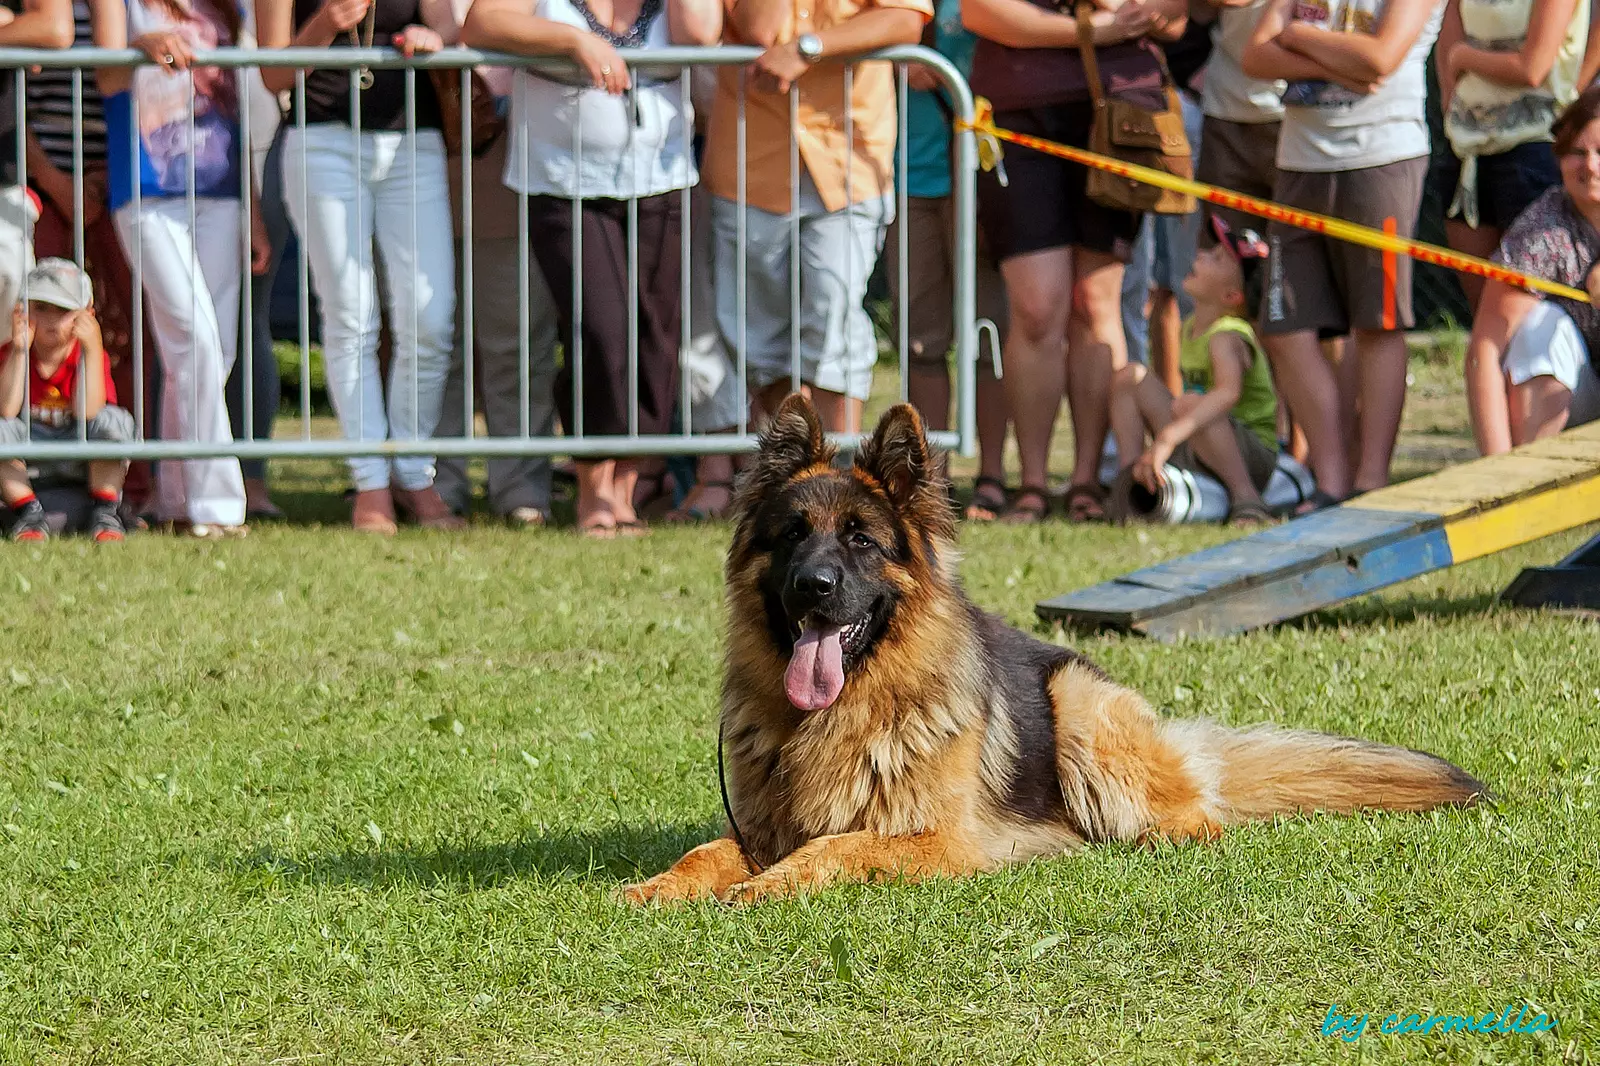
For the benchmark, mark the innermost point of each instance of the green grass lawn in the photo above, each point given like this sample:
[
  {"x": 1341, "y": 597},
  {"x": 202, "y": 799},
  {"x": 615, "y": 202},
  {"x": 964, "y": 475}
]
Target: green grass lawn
[{"x": 315, "y": 798}]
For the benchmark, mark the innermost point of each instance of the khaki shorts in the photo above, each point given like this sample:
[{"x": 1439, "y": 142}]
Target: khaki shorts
[
  {"x": 1333, "y": 287},
  {"x": 931, "y": 279},
  {"x": 1259, "y": 459},
  {"x": 1241, "y": 157}
]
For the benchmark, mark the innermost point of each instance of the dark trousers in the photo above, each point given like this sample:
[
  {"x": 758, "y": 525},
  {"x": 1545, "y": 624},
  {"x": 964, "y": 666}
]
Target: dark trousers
[{"x": 605, "y": 307}]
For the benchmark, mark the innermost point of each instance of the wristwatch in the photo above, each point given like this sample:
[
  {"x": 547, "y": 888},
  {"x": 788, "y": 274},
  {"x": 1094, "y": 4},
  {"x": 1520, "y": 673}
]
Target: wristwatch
[{"x": 809, "y": 45}]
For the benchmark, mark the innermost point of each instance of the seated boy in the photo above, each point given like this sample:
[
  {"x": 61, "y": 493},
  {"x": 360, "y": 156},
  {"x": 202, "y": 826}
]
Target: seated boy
[
  {"x": 53, "y": 338},
  {"x": 1227, "y": 416}
]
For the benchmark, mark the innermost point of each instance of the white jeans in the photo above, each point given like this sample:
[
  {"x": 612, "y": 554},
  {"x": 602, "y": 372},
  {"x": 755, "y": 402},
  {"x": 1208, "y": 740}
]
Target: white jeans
[
  {"x": 342, "y": 191},
  {"x": 191, "y": 284}
]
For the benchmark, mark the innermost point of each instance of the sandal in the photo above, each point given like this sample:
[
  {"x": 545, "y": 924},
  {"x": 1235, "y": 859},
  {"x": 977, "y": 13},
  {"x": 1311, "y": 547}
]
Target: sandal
[
  {"x": 1317, "y": 501},
  {"x": 1019, "y": 512},
  {"x": 632, "y": 528},
  {"x": 693, "y": 513},
  {"x": 988, "y": 501},
  {"x": 1085, "y": 503},
  {"x": 1253, "y": 513}
]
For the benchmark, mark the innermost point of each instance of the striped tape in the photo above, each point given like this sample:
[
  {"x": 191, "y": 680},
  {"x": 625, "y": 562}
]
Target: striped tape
[{"x": 983, "y": 125}]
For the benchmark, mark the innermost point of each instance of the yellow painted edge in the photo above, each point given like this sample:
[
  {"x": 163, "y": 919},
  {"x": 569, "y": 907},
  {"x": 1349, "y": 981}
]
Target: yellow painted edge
[{"x": 1524, "y": 520}]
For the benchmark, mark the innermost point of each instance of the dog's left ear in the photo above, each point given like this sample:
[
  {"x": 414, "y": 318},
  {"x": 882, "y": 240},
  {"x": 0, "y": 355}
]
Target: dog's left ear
[{"x": 899, "y": 458}]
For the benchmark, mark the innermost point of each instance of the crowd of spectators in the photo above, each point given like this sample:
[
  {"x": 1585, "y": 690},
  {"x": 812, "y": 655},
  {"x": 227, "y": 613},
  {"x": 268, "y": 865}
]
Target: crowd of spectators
[{"x": 1211, "y": 339}]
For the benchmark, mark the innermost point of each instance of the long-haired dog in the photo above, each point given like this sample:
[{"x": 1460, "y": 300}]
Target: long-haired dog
[{"x": 879, "y": 725}]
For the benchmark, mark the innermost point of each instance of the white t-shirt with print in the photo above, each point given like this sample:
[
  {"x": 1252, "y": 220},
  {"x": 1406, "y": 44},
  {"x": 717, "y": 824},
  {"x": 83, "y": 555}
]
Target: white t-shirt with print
[
  {"x": 1327, "y": 127},
  {"x": 584, "y": 142},
  {"x": 1230, "y": 94}
]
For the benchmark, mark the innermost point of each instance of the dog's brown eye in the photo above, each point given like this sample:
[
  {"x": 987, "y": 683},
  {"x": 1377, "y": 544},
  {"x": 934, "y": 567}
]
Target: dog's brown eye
[
  {"x": 859, "y": 539},
  {"x": 795, "y": 533}
]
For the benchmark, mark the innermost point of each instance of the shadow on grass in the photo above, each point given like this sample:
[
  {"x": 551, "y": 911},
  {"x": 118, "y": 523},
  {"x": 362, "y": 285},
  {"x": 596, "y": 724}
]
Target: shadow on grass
[{"x": 613, "y": 855}]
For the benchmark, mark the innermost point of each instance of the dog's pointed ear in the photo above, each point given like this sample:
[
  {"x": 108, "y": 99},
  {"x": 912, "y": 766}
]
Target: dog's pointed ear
[
  {"x": 899, "y": 458},
  {"x": 793, "y": 441}
]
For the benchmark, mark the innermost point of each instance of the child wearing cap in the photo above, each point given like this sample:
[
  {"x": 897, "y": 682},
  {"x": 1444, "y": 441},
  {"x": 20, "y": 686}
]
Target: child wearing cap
[
  {"x": 1227, "y": 416},
  {"x": 56, "y": 364}
]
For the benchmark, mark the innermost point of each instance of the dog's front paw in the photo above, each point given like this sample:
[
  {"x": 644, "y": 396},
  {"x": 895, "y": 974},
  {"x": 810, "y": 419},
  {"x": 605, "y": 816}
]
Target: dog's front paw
[
  {"x": 1199, "y": 830},
  {"x": 664, "y": 888},
  {"x": 761, "y": 887}
]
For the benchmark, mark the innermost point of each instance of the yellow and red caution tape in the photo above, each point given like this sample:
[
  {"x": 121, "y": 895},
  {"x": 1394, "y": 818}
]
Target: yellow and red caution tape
[{"x": 989, "y": 154}]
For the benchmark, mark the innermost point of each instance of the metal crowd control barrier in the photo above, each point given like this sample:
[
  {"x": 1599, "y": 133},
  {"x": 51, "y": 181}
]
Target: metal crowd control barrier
[{"x": 83, "y": 61}]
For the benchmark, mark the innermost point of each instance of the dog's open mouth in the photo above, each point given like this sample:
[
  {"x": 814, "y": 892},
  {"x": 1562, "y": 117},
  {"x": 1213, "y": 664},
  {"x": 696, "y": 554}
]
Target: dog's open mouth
[{"x": 816, "y": 668}]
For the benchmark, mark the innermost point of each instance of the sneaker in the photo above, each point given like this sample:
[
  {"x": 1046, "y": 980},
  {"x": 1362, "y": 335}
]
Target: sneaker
[
  {"x": 105, "y": 525},
  {"x": 30, "y": 523}
]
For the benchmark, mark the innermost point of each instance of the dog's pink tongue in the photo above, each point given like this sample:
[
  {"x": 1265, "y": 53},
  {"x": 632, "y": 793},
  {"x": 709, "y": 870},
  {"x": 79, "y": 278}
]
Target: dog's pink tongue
[{"x": 816, "y": 671}]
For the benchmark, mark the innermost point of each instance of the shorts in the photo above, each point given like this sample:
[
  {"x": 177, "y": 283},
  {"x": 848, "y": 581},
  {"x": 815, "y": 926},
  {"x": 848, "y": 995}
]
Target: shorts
[
  {"x": 838, "y": 251},
  {"x": 111, "y": 424},
  {"x": 930, "y": 290},
  {"x": 1507, "y": 182},
  {"x": 1044, "y": 205},
  {"x": 1260, "y": 460},
  {"x": 1332, "y": 287},
  {"x": 1241, "y": 157},
  {"x": 1548, "y": 344}
]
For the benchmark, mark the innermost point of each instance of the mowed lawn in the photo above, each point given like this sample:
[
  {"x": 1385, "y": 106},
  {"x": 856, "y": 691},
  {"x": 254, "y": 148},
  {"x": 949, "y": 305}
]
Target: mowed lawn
[{"x": 314, "y": 798}]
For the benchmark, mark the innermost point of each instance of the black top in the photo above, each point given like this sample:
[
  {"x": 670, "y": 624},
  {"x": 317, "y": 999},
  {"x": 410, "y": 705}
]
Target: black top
[
  {"x": 383, "y": 106},
  {"x": 1188, "y": 54}
]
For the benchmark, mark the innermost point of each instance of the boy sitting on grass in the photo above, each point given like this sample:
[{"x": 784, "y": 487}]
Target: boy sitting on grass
[
  {"x": 1227, "y": 416},
  {"x": 57, "y": 360}
]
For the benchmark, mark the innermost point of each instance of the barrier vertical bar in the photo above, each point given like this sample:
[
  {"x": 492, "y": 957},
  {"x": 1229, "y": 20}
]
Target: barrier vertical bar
[
  {"x": 246, "y": 330},
  {"x": 305, "y": 264},
  {"x": 577, "y": 270},
  {"x": 416, "y": 261},
  {"x": 795, "y": 380},
  {"x": 136, "y": 266},
  {"x": 633, "y": 274},
  {"x": 19, "y": 86},
  {"x": 468, "y": 334},
  {"x": 902, "y": 231},
  {"x": 524, "y": 295},
  {"x": 194, "y": 262},
  {"x": 850, "y": 251},
  {"x": 78, "y": 236},
  {"x": 741, "y": 283},
  {"x": 966, "y": 244},
  {"x": 686, "y": 230}
]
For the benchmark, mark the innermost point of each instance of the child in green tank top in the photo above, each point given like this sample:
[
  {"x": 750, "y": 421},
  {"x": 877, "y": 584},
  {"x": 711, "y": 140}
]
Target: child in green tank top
[{"x": 1226, "y": 419}]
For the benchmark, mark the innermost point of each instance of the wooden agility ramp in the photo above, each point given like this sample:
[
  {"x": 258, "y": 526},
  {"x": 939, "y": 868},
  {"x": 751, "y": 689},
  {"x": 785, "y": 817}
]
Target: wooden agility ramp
[{"x": 1386, "y": 536}]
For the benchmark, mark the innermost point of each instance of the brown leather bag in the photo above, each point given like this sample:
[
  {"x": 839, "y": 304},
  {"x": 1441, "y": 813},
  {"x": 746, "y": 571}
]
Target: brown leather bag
[
  {"x": 1135, "y": 134},
  {"x": 487, "y": 125}
]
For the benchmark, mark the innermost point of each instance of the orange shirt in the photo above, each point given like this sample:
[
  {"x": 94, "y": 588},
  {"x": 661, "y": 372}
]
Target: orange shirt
[{"x": 843, "y": 173}]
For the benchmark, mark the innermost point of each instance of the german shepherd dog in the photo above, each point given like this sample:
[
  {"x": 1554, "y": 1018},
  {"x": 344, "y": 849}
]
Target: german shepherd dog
[{"x": 879, "y": 725}]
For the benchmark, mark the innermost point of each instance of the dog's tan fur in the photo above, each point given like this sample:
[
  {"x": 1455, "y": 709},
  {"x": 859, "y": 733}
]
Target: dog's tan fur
[{"x": 929, "y": 762}]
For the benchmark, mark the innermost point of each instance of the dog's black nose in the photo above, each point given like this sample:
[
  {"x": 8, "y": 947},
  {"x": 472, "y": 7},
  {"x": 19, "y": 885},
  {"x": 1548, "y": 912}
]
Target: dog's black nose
[{"x": 818, "y": 582}]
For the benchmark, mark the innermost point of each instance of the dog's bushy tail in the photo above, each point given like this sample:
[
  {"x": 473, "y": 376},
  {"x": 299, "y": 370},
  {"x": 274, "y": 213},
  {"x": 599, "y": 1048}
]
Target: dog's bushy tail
[{"x": 1266, "y": 771}]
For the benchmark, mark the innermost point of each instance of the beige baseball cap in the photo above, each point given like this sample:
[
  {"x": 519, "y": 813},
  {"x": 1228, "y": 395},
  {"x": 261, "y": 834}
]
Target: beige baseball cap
[{"x": 61, "y": 283}]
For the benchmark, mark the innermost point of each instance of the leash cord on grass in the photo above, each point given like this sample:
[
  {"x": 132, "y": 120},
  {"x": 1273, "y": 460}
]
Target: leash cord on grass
[{"x": 727, "y": 807}]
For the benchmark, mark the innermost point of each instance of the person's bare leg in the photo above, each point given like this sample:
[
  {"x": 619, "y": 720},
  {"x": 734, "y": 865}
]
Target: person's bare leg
[
  {"x": 1481, "y": 242},
  {"x": 993, "y": 418},
  {"x": 107, "y": 475},
  {"x": 1037, "y": 290},
  {"x": 839, "y": 413},
  {"x": 594, "y": 495},
  {"x": 1539, "y": 409},
  {"x": 14, "y": 483},
  {"x": 1099, "y": 349},
  {"x": 1382, "y": 356},
  {"x": 624, "y": 481},
  {"x": 1215, "y": 445},
  {"x": 1127, "y": 423},
  {"x": 1341, "y": 354},
  {"x": 1166, "y": 338},
  {"x": 1307, "y": 383},
  {"x": 929, "y": 393}
]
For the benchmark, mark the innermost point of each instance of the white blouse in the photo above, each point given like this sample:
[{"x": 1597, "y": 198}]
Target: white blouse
[{"x": 584, "y": 142}]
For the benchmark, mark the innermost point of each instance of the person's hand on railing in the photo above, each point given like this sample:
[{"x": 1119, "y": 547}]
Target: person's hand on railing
[
  {"x": 86, "y": 331},
  {"x": 600, "y": 61},
  {"x": 260, "y": 244},
  {"x": 167, "y": 48},
  {"x": 921, "y": 78},
  {"x": 779, "y": 67},
  {"x": 417, "y": 40}
]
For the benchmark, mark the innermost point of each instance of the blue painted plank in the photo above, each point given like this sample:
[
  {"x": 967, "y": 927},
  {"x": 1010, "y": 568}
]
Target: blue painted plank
[
  {"x": 1350, "y": 573},
  {"x": 1270, "y": 557}
]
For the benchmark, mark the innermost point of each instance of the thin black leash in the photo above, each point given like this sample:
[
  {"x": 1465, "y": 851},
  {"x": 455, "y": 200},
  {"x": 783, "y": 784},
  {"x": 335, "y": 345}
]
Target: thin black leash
[{"x": 727, "y": 807}]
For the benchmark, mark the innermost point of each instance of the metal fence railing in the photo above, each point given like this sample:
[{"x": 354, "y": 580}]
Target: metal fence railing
[{"x": 665, "y": 65}]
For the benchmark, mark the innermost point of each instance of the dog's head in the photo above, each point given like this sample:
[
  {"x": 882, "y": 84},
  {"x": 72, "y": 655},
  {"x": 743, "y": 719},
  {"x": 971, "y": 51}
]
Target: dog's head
[{"x": 834, "y": 554}]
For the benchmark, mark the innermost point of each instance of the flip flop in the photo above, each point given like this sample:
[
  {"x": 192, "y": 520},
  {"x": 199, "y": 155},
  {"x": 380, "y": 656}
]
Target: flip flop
[
  {"x": 1085, "y": 503},
  {"x": 1019, "y": 513}
]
